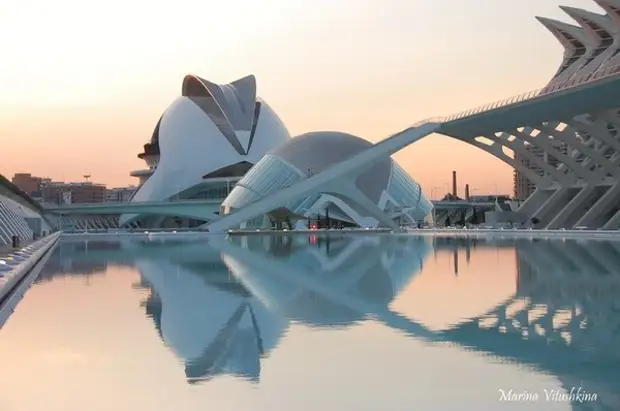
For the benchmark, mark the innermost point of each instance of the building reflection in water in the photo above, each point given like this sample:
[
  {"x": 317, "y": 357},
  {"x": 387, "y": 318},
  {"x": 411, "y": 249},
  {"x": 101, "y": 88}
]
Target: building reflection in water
[
  {"x": 222, "y": 307},
  {"x": 215, "y": 316},
  {"x": 65, "y": 262}
]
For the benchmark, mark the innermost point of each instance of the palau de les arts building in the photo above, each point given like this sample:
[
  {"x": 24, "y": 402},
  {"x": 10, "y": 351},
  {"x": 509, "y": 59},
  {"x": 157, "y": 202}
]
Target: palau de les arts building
[{"x": 222, "y": 142}]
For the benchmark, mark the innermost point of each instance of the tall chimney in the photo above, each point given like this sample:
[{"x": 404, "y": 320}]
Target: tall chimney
[
  {"x": 467, "y": 192},
  {"x": 454, "y": 183}
]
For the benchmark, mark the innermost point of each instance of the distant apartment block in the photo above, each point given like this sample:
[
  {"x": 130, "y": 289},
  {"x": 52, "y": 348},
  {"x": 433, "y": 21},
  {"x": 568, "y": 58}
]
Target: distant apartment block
[
  {"x": 74, "y": 193},
  {"x": 30, "y": 184},
  {"x": 119, "y": 195},
  {"x": 522, "y": 186}
]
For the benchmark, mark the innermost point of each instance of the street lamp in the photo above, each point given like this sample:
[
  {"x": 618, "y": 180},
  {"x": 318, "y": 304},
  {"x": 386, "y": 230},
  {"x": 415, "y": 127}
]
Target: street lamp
[{"x": 433, "y": 191}]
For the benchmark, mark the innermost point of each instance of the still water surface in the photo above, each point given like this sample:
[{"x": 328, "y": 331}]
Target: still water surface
[{"x": 317, "y": 323}]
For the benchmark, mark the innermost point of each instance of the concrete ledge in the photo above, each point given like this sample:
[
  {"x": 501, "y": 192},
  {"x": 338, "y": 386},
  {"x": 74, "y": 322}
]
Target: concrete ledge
[
  {"x": 446, "y": 232},
  {"x": 140, "y": 234},
  {"x": 36, "y": 251},
  {"x": 607, "y": 235},
  {"x": 293, "y": 232}
]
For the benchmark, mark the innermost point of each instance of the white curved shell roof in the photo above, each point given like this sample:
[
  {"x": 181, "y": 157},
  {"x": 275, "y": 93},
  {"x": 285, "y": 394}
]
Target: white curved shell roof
[
  {"x": 208, "y": 128},
  {"x": 313, "y": 152}
]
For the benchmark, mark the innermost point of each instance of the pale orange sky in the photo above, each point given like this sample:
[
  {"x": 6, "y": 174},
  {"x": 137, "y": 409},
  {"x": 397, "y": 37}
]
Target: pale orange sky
[{"x": 81, "y": 87}]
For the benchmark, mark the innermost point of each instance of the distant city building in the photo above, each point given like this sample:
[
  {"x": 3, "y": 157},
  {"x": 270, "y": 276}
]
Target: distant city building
[
  {"x": 522, "y": 186},
  {"x": 30, "y": 184},
  {"x": 119, "y": 195},
  {"x": 74, "y": 193}
]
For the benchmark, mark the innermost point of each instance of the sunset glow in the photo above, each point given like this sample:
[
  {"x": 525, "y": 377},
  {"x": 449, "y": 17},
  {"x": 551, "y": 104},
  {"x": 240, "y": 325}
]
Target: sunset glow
[{"x": 82, "y": 86}]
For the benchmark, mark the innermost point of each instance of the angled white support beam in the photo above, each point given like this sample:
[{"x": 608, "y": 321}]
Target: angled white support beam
[
  {"x": 596, "y": 130},
  {"x": 353, "y": 165},
  {"x": 517, "y": 145},
  {"x": 592, "y": 23},
  {"x": 601, "y": 207},
  {"x": 578, "y": 201},
  {"x": 608, "y": 261},
  {"x": 552, "y": 206},
  {"x": 535, "y": 201},
  {"x": 578, "y": 46},
  {"x": 612, "y": 117},
  {"x": 611, "y": 7},
  {"x": 350, "y": 191},
  {"x": 613, "y": 223},
  {"x": 543, "y": 142},
  {"x": 497, "y": 151},
  {"x": 568, "y": 135}
]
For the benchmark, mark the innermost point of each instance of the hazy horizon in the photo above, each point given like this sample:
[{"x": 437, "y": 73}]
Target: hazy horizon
[{"x": 83, "y": 87}]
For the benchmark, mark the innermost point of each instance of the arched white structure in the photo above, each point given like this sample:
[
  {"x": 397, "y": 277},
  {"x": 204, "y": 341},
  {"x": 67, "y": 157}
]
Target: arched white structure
[
  {"x": 19, "y": 215},
  {"x": 587, "y": 149},
  {"x": 207, "y": 140},
  {"x": 377, "y": 196}
]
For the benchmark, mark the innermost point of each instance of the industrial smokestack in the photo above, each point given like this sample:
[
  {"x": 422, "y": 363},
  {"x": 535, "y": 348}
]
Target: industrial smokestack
[
  {"x": 467, "y": 192},
  {"x": 454, "y": 183}
]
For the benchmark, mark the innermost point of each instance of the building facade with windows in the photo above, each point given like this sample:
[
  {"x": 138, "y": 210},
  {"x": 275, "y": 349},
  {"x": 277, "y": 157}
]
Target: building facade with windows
[
  {"x": 74, "y": 193},
  {"x": 30, "y": 184},
  {"x": 119, "y": 194}
]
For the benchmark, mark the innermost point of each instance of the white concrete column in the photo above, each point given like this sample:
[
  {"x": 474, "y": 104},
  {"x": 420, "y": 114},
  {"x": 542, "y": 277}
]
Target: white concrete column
[
  {"x": 552, "y": 206},
  {"x": 613, "y": 223},
  {"x": 578, "y": 201},
  {"x": 601, "y": 207},
  {"x": 348, "y": 189},
  {"x": 542, "y": 141},
  {"x": 535, "y": 201}
]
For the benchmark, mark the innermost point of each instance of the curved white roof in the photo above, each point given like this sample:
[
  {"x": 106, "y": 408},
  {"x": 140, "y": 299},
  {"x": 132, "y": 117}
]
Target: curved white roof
[
  {"x": 194, "y": 312},
  {"x": 372, "y": 274},
  {"x": 314, "y": 152},
  {"x": 206, "y": 129}
]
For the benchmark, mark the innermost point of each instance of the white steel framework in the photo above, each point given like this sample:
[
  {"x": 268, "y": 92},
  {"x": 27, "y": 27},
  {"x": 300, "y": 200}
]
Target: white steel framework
[{"x": 579, "y": 108}]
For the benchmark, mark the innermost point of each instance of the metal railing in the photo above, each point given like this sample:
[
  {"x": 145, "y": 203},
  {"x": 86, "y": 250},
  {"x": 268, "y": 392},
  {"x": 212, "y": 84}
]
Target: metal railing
[{"x": 549, "y": 89}]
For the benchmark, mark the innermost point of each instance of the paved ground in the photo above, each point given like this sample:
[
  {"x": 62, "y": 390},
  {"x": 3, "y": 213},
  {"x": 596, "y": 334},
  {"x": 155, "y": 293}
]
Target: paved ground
[{"x": 7, "y": 249}]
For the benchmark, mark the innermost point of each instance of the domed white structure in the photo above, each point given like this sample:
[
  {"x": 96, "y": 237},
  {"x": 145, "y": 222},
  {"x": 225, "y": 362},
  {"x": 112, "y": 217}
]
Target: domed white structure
[
  {"x": 204, "y": 143},
  {"x": 377, "y": 196}
]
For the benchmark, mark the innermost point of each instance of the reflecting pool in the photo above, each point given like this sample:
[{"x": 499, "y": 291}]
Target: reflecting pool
[{"x": 298, "y": 322}]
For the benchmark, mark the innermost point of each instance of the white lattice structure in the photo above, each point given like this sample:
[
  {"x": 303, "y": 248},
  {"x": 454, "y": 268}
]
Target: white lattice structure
[
  {"x": 574, "y": 120},
  {"x": 583, "y": 189},
  {"x": 19, "y": 215}
]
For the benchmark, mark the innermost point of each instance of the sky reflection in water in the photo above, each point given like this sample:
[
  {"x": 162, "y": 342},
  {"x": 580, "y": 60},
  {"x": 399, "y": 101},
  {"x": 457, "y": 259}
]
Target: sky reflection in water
[{"x": 307, "y": 322}]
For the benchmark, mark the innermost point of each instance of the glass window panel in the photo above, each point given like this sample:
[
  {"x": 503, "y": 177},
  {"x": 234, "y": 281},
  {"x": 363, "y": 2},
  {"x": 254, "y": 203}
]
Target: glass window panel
[
  {"x": 408, "y": 193},
  {"x": 269, "y": 175}
]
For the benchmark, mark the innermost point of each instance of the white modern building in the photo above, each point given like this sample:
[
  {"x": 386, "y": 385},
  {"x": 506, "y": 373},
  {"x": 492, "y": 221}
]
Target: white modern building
[
  {"x": 382, "y": 195},
  {"x": 203, "y": 144},
  {"x": 585, "y": 152},
  {"x": 563, "y": 137},
  {"x": 214, "y": 135},
  {"x": 20, "y": 216}
]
